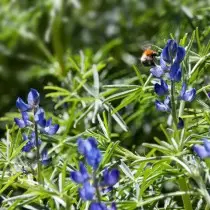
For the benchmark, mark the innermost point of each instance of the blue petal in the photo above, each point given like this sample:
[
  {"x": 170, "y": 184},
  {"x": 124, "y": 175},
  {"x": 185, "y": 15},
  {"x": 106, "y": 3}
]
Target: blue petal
[
  {"x": 161, "y": 89},
  {"x": 201, "y": 151},
  {"x": 80, "y": 176},
  {"x": 87, "y": 192},
  {"x": 81, "y": 146},
  {"x": 207, "y": 145},
  {"x": 49, "y": 122},
  {"x": 29, "y": 145},
  {"x": 93, "y": 142},
  {"x": 175, "y": 72},
  {"x": 32, "y": 138},
  {"x": 25, "y": 137},
  {"x": 173, "y": 47},
  {"x": 180, "y": 54},
  {"x": 110, "y": 178},
  {"x": 169, "y": 51},
  {"x": 40, "y": 117},
  {"x": 180, "y": 124},
  {"x": 183, "y": 90},
  {"x": 77, "y": 177},
  {"x": 157, "y": 71},
  {"x": 51, "y": 130},
  {"x": 107, "y": 189},
  {"x": 97, "y": 206},
  {"x": 189, "y": 95},
  {"x": 85, "y": 146},
  {"x": 20, "y": 123},
  {"x": 163, "y": 107},
  {"x": 165, "y": 55},
  {"x": 33, "y": 98},
  {"x": 22, "y": 106},
  {"x": 83, "y": 171},
  {"x": 113, "y": 206},
  {"x": 164, "y": 65},
  {"x": 45, "y": 158},
  {"x": 93, "y": 158}
]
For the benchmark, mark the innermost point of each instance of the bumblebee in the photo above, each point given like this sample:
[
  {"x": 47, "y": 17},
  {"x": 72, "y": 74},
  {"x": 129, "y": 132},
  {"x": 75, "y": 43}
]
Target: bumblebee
[{"x": 148, "y": 57}]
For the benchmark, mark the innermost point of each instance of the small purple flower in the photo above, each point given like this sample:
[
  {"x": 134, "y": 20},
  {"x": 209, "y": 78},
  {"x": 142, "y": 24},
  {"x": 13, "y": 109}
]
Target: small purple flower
[
  {"x": 29, "y": 145},
  {"x": 87, "y": 192},
  {"x": 98, "y": 206},
  {"x": 163, "y": 106},
  {"x": 101, "y": 206},
  {"x": 45, "y": 158},
  {"x": 172, "y": 53},
  {"x": 169, "y": 51},
  {"x": 111, "y": 177},
  {"x": 90, "y": 150},
  {"x": 31, "y": 142},
  {"x": 187, "y": 95},
  {"x": 33, "y": 101},
  {"x": 180, "y": 124},
  {"x": 203, "y": 151},
  {"x": 180, "y": 54},
  {"x": 162, "y": 88},
  {"x": 157, "y": 71},
  {"x": 46, "y": 126},
  {"x": 24, "y": 122},
  {"x": 80, "y": 176},
  {"x": 175, "y": 72}
]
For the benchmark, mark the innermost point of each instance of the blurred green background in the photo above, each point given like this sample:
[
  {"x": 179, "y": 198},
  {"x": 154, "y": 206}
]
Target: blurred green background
[{"x": 38, "y": 36}]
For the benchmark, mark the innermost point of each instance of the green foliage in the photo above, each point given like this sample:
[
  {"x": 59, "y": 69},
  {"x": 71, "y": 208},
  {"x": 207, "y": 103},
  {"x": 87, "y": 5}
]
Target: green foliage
[{"x": 84, "y": 58}]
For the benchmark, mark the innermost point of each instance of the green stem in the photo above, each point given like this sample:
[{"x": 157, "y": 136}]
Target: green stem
[
  {"x": 147, "y": 81},
  {"x": 173, "y": 104},
  {"x": 96, "y": 186},
  {"x": 186, "y": 197},
  {"x": 37, "y": 153}
]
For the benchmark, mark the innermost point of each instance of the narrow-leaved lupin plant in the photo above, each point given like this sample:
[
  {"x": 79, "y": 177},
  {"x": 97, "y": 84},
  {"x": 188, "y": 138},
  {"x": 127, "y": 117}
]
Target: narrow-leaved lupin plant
[
  {"x": 170, "y": 69},
  {"x": 92, "y": 186},
  {"x": 38, "y": 124}
]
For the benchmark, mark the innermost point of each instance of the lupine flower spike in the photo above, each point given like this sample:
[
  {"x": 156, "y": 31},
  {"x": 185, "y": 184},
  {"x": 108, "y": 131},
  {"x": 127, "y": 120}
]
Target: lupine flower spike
[
  {"x": 39, "y": 125},
  {"x": 90, "y": 184}
]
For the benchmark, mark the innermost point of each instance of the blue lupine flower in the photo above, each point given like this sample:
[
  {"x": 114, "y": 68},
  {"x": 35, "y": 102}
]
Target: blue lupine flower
[
  {"x": 175, "y": 72},
  {"x": 169, "y": 51},
  {"x": 22, "y": 123},
  {"x": 31, "y": 142},
  {"x": 157, "y": 71},
  {"x": 80, "y": 176},
  {"x": 85, "y": 146},
  {"x": 98, "y": 206},
  {"x": 33, "y": 101},
  {"x": 29, "y": 145},
  {"x": 172, "y": 53},
  {"x": 87, "y": 192},
  {"x": 180, "y": 124},
  {"x": 101, "y": 206},
  {"x": 203, "y": 151},
  {"x": 111, "y": 177},
  {"x": 89, "y": 149},
  {"x": 187, "y": 95},
  {"x": 165, "y": 106},
  {"x": 45, "y": 125},
  {"x": 162, "y": 88},
  {"x": 45, "y": 158}
]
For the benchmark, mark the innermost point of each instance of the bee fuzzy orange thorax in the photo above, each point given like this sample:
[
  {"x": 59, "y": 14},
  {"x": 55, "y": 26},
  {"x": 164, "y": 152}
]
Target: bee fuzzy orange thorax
[{"x": 148, "y": 57}]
